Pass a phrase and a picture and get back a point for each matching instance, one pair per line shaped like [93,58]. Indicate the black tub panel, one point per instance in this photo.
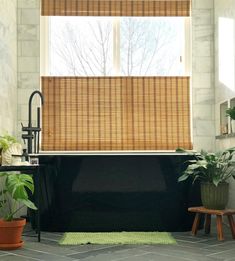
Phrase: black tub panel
[116,193]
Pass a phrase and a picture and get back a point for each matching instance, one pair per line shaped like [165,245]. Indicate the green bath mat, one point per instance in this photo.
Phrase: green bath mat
[78,238]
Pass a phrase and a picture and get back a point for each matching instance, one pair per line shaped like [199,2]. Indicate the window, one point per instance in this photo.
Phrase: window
[105,111]
[79,46]
[120,46]
[151,46]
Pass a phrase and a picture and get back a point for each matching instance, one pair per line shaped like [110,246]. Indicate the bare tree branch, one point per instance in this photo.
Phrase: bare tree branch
[84,48]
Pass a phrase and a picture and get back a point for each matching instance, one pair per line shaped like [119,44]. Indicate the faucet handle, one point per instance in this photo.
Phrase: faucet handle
[26,136]
[30,128]
[23,127]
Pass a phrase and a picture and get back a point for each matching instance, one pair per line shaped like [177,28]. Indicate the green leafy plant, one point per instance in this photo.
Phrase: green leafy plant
[14,193]
[230,112]
[210,167]
[6,140]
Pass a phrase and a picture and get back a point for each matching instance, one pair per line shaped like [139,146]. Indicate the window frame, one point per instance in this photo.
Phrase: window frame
[45,30]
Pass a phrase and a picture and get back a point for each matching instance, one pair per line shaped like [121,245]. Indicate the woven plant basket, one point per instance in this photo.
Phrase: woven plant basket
[214,197]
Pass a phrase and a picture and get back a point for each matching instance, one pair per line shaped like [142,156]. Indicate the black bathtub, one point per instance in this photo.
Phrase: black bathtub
[115,192]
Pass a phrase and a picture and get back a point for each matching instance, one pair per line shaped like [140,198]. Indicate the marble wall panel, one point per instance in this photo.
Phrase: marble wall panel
[8,66]
[28,57]
[203,95]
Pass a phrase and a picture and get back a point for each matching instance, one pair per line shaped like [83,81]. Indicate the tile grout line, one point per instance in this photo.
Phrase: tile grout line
[6,254]
[183,258]
[49,239]
[122,258]
[220,252]
[200,241]
[92,250]
[215,245]
[40,251]
[25,256]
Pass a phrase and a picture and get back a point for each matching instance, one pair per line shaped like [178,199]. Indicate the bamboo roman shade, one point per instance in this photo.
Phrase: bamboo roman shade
[116,113]
[115,8]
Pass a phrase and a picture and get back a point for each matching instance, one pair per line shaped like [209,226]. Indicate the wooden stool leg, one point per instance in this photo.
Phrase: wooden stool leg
[232,225]
[208,224]
[220,233]
[195,224]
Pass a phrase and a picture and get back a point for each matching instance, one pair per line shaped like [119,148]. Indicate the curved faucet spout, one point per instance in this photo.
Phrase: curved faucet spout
[30,129]
[30,105]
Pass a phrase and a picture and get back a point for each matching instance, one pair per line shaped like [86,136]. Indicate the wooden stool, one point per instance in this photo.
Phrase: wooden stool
[219,217]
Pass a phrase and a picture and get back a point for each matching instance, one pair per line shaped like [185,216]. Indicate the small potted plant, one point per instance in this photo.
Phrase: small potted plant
[213,171]
[14,195]
[9,146]
[230,112]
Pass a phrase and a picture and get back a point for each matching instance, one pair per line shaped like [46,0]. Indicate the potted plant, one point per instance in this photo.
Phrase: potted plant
[230,112]
[14,195]
[213,171]
[9,146]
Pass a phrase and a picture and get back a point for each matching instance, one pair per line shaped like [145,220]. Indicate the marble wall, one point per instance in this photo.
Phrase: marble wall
[203,116]
[8,66]
[224,90]
[28,57]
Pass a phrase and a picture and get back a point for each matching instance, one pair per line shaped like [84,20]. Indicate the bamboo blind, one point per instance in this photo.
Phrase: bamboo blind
[116,113]
[115,7]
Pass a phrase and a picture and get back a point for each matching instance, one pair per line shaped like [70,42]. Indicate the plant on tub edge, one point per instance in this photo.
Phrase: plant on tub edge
[213,171]
[9,146]
[14,195]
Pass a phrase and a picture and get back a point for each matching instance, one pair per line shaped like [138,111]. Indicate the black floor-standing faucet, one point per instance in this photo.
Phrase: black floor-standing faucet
[33,131]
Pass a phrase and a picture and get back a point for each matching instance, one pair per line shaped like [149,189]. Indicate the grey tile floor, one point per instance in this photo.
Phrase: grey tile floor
[201,248]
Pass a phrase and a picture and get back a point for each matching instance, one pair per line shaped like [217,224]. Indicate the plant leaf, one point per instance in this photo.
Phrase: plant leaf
[18,186]
[28,203]
[2,203]
[183,177]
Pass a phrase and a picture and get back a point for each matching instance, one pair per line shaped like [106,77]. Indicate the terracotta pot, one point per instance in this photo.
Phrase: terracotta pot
[10,233]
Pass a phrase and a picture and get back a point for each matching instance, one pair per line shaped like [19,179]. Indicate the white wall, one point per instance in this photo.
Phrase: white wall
[8,66]
[224,13]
